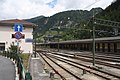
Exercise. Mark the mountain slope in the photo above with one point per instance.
(73, 18)
(111, 13)
(77, 20)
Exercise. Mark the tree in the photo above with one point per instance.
(13, 48)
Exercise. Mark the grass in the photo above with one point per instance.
(25, 58)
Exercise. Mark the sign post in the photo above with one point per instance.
(18, 34)
(17, 46)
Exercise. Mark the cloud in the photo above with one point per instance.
(31, 8)
(52, 4)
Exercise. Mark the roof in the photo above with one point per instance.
(16, 21)
(96, 39)
(104, 39)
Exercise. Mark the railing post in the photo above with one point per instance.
(28, 76)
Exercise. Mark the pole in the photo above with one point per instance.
(93, 41)
(93, 46)
(34, 36)
(17, 46)
(58, 39)
(35, 44)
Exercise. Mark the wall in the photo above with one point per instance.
(6, 37)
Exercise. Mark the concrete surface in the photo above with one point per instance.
(37, 70)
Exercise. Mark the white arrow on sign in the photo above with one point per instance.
(18, 28)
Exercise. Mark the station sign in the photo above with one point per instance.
(29, 40)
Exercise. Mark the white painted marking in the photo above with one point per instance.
(44, 74)
(18, 28)
(35, 58)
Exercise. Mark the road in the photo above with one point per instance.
(7, 69)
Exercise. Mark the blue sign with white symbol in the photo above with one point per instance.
(18, 27)
(18, 35)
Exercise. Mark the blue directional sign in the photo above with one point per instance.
(18, 27)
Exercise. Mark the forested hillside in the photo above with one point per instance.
(111, 13)
(67, 20)
(77, 24)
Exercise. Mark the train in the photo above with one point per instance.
(105, 44)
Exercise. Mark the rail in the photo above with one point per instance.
(92, 68)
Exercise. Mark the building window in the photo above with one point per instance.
(23, 36)
(13, 36)
(2, 46)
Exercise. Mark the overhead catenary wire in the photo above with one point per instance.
(92, 4)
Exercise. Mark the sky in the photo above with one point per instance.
(25, 9)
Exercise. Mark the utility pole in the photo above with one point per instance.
(59, 34)
(93, 40)
(93, 45)
(93, 51)
(34, 34)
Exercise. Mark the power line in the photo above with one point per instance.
(104, 22)
(92, 4)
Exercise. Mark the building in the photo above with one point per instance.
(104, 45)
(7, 35)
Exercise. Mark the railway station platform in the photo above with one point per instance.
(37, 69)
(7, 69)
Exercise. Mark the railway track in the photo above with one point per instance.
(100, 73)
(104, 54)
(62, 77)
(111, 59)
(106, 57)
(98, 61)
(58, 66)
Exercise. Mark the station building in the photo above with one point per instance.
(7, 35)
